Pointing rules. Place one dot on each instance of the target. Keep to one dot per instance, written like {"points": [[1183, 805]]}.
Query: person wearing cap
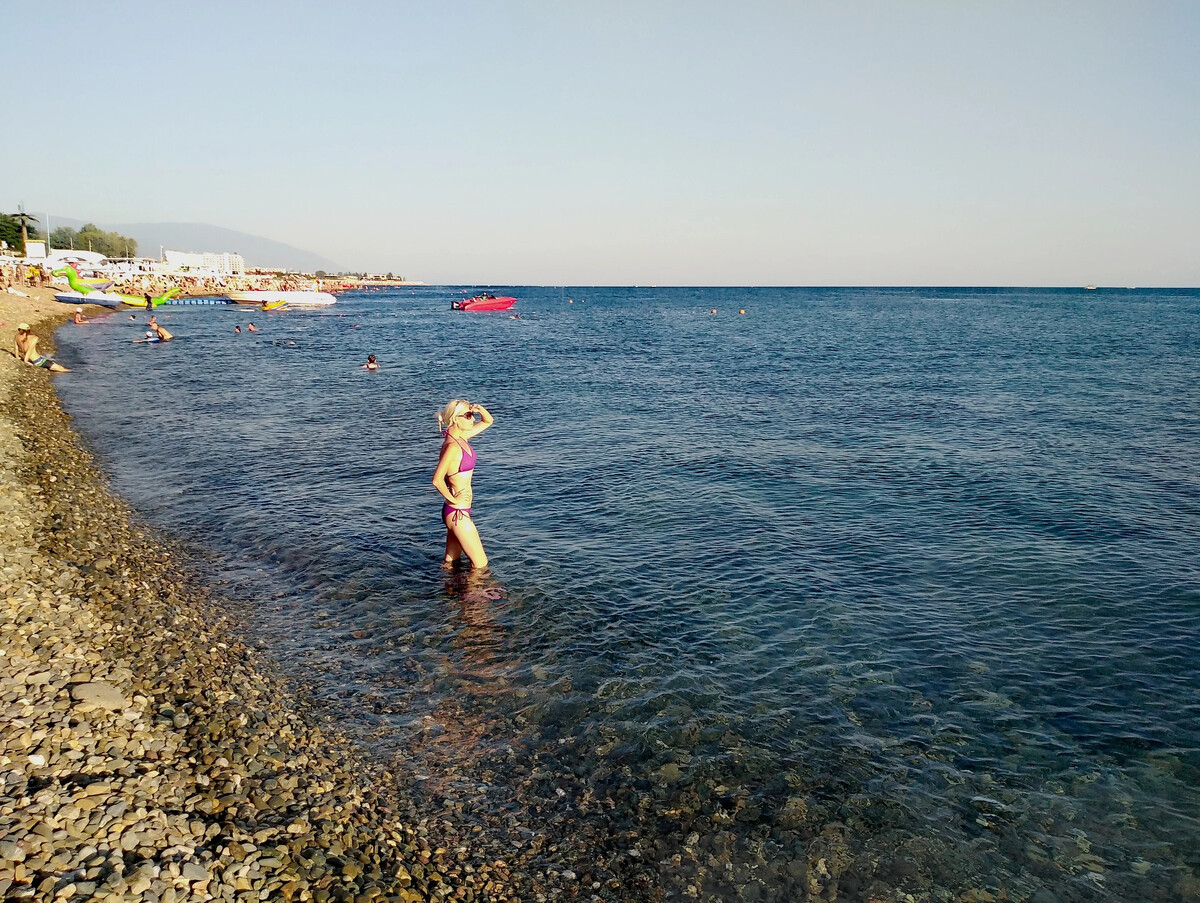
{"points": [[26, 345], [156, 334], [79, 317]]}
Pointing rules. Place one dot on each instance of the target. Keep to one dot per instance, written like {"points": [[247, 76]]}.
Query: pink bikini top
{"points": [[468, 456]]}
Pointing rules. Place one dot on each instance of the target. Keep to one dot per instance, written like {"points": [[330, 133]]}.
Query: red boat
{"points": [[483, 302]]}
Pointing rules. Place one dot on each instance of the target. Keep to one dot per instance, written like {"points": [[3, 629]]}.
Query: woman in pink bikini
{"points": [[453, 479]]}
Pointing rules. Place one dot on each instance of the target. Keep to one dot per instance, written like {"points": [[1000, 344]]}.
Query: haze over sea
{"points": [[904, 578]]}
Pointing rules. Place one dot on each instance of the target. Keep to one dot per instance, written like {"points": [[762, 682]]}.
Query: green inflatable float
{"points": [[83, 291]]}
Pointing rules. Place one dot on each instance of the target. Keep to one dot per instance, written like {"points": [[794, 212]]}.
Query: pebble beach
{"points": [[146, 752]]}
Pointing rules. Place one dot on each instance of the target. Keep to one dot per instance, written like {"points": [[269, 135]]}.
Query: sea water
{"points": [[908, 578]]}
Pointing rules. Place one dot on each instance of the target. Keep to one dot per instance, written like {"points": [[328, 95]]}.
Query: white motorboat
{"points": [[278, 299]]}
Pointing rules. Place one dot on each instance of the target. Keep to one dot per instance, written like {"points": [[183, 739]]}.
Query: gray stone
{"points": [[193, 871], [99, 694], [669, 773]]}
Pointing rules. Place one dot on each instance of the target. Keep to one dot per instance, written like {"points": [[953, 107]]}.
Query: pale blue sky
{"points": [[757, 143]]}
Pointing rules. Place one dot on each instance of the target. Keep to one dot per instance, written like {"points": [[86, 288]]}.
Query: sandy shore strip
{"points": [[147, 753]]}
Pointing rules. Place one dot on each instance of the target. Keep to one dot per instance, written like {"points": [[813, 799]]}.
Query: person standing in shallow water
{"points": [[452, 479]]}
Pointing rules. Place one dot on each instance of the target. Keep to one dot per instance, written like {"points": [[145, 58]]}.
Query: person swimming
{"points": [[452, 479], [371, 363]]}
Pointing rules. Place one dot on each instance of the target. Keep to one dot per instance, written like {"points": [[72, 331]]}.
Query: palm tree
{"points": [[24, 218]]}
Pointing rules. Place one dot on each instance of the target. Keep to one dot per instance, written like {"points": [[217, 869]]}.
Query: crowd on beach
{"points": [[18, 274], [201, 286], [15, 274]]}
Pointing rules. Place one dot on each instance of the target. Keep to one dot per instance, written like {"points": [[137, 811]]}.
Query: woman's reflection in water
{"points": [[480, 640]]}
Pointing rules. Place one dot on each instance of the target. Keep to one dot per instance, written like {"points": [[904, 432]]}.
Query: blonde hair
{"points": [[447, 414]]}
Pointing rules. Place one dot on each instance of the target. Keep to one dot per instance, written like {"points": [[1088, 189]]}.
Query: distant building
{"points": [[224, 264]]}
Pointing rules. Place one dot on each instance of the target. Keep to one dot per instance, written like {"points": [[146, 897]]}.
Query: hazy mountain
{"points": [[257, 251]]}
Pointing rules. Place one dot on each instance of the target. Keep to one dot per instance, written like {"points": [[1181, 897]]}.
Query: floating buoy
{"points": [[741, 311]]}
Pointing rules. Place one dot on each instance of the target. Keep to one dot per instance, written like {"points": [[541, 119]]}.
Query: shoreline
{"points": [[146, 750]]}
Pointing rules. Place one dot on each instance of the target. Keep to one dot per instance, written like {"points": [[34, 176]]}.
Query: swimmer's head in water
{"points": [[370, 358]]}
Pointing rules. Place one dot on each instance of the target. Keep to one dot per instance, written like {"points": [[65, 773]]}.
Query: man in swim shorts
{"points": [[26, 345]]}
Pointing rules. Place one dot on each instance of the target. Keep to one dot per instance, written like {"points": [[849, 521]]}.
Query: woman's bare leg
{"points": [[454, 548], [467, 535]]}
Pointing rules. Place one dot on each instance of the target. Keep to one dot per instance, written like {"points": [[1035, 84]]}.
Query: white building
{"points": [[207, 262]]}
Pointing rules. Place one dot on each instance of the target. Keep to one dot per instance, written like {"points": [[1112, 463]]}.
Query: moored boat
{"points": [[483, 303], [292, 299]]}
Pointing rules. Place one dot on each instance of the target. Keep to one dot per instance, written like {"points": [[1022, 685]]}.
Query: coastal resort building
{"points": [[208, 262]]}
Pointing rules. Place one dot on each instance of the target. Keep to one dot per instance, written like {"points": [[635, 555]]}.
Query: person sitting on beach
{"points": [[371, 363], [79, 319], [26, 344], [452, 479]]}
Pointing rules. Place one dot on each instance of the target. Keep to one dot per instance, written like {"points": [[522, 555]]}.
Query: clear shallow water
{"points": [[913, 569]]}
